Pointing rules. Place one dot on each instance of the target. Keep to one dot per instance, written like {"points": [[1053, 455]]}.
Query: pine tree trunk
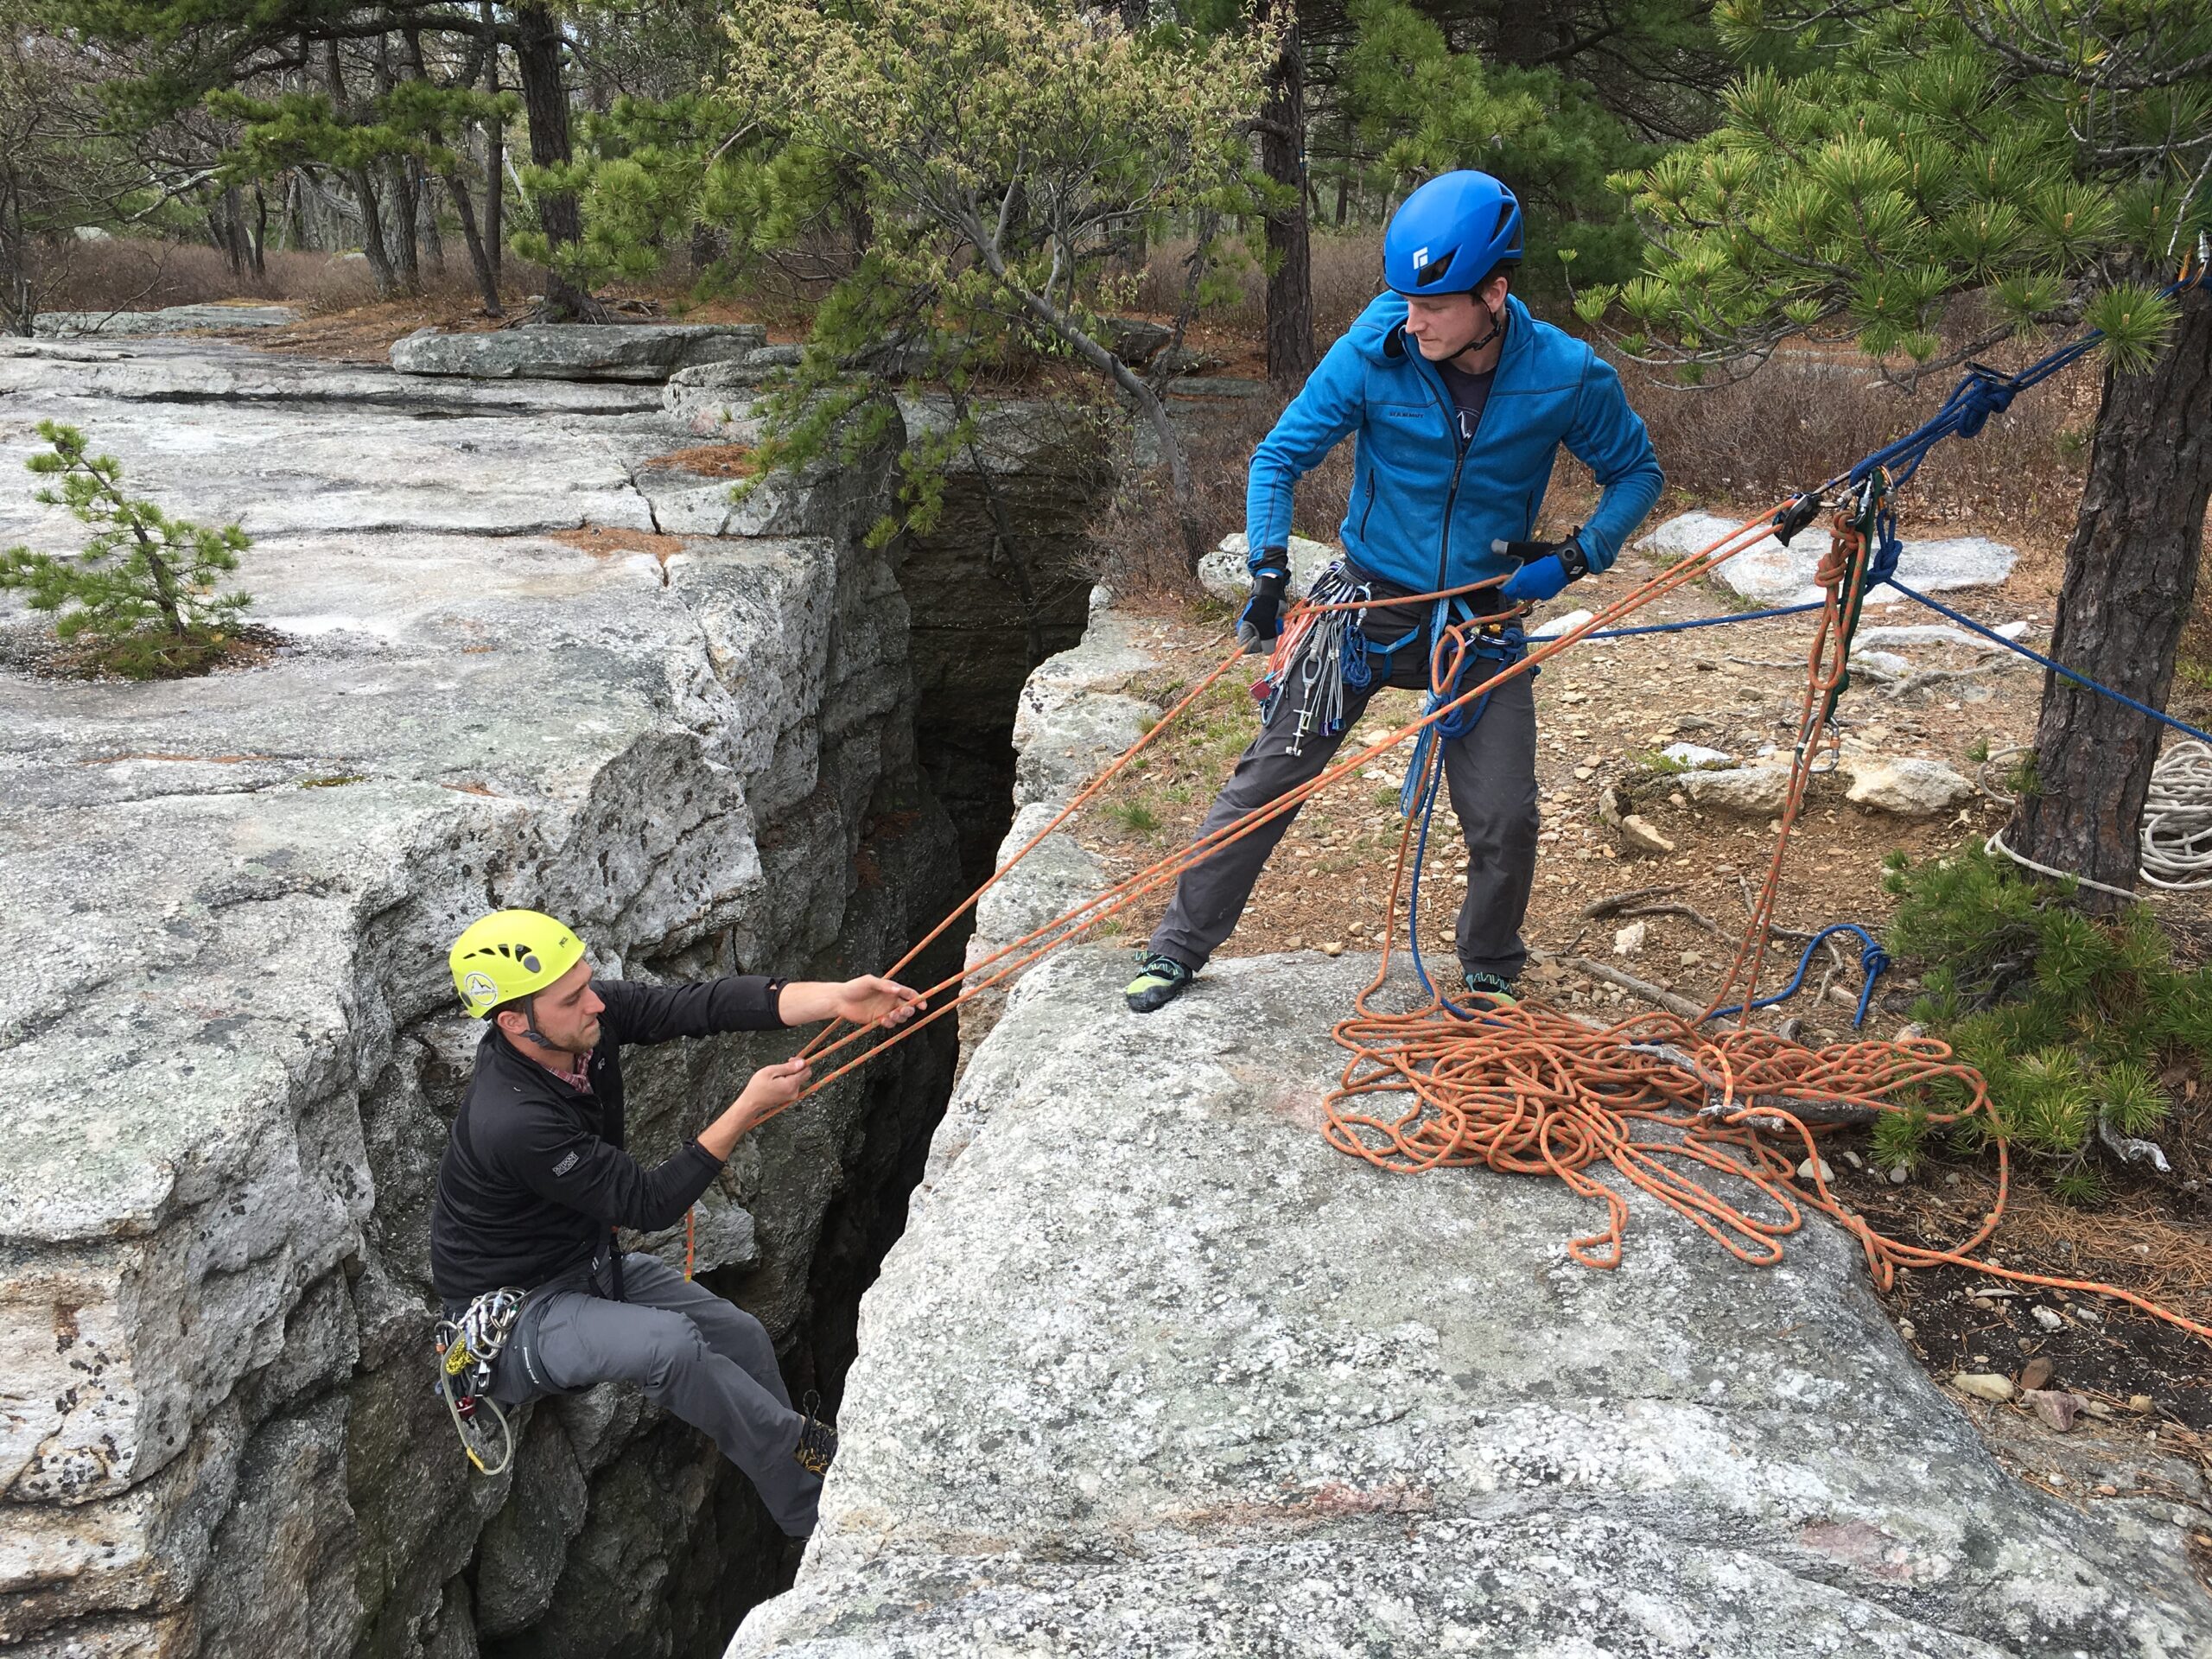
{"points": [[545, 105], [2131, 573], [464, 207], [1290, 275], [494, 159]]}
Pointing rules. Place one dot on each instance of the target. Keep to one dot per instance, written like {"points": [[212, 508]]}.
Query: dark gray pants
{"points": [[1490, 774], [694, 1354]]}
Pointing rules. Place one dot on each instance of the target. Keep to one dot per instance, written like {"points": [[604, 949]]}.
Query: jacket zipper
{"points": [[1451, 430], [1368, 510], [1451, 496]]}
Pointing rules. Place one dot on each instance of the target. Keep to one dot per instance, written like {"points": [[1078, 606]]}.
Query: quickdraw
{"points": [[467, 1348]]}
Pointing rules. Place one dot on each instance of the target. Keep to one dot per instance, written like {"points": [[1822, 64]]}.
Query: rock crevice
{"points": [[229, 1051]]}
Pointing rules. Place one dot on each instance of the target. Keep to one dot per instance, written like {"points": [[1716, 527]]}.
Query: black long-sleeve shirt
{"points": [[534, 1174]]}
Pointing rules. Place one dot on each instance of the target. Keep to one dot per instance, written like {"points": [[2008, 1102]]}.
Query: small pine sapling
{"points": [[143, 592]]}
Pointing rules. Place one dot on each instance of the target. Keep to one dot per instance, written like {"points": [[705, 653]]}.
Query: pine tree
{"points": [[143, 593], [1874, 164], [1003, 149]]}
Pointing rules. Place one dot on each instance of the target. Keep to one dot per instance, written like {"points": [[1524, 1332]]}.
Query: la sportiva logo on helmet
{"points": [[480, 987]]}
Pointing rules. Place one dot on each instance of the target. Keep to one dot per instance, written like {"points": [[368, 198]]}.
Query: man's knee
{"points": [[1498, 824]]}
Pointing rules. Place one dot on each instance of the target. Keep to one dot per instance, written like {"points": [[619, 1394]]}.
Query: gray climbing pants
{"points": [[707, 1362], [1490, 774]]}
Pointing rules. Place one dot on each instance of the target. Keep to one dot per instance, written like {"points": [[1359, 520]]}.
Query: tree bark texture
{"points": [[494, 155], [487, 280], [2131, 573], [1290, 260], [545, 106]]}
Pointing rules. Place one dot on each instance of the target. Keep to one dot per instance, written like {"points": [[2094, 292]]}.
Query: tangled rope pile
{"points": [[2177, 820], [1679, 1111]]}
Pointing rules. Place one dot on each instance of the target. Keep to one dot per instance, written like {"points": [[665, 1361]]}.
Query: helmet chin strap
{"points": [[1497, 327]]}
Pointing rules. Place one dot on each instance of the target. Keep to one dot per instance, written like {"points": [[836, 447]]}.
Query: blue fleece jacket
{"points": [[1422, 515]]}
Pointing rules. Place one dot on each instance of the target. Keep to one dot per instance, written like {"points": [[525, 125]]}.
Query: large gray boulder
{"points": [[1767, 573], [1155, 1371], [647, 351], [220, 317]]}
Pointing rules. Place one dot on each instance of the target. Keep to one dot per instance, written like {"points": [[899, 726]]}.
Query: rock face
{"points": [[230, 1051], [1225, 575], [1906, 785], [1754, 791], [1074, 717], [1023, 489], [170, 320], [647, 351], [1155, 1371]]}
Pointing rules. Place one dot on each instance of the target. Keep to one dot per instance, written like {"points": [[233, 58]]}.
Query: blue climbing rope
{"points": [[1707, 622], [1873, 961], [1432, 779]]}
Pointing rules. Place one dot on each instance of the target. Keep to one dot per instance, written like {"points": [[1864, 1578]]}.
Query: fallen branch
{"points": [[1607, 906], [1658, 995]]}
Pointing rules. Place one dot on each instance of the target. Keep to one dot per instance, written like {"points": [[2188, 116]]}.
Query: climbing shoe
{"points": [[1494, 988], [817, 1441], [1159, 981]]}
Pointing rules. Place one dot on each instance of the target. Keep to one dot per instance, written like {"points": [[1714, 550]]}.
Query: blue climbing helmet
{"points": [[1450, 234]]}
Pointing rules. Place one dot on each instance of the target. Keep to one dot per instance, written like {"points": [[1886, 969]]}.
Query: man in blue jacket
{"points": [[1460, 401]]}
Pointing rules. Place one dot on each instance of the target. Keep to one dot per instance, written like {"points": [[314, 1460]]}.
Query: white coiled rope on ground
{"points": [[2177, 819], [2177, 828]]}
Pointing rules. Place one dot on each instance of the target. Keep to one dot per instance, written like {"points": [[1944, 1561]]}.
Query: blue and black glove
{"points": [[1260, 619], [1546, 568]]}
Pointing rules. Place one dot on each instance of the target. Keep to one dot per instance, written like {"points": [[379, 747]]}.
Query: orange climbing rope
{"points": [[1677, 1110]]}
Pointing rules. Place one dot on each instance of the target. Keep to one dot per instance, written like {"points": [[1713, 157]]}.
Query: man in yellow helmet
{"points": [[535, 1182]]}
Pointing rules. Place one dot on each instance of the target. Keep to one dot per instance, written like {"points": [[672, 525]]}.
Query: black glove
{"points": [[1261, 620]]}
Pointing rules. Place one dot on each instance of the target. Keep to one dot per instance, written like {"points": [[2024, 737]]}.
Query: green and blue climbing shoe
{"points": [[1159, 981], [817, 1441], [1494, 988]]}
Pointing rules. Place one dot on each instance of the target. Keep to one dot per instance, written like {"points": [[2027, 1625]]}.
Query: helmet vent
{"points": [[1434, 273]]}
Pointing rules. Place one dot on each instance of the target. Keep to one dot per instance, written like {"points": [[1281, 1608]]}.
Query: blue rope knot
{"points": [[1983, 393], [1873, 962]]}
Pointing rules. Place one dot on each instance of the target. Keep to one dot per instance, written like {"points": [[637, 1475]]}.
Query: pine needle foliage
{"points": [[1875, 161], [2071, 1019], [143, 594]]}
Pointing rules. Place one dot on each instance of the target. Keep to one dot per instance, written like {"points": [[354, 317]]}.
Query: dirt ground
{"points": [[1603, 710]]}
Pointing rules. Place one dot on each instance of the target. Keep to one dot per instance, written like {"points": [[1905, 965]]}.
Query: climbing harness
{"points": [[467, 1348], [1661, 1100]]}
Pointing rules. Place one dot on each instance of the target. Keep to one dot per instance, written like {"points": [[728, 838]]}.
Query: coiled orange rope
{"points": [[1678, 1111]]}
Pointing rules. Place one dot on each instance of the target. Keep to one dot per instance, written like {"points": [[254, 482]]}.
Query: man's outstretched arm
{"points": [[661, 1013]]}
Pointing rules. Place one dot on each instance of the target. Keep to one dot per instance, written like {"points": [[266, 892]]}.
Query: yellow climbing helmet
{"points": [[508, 954]]}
